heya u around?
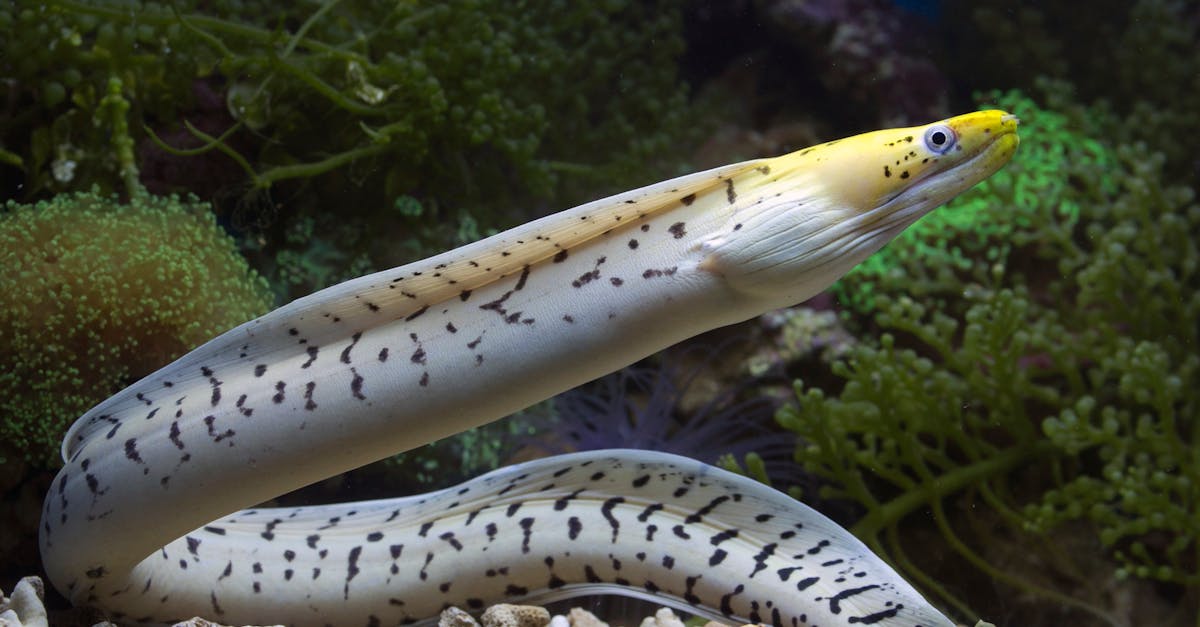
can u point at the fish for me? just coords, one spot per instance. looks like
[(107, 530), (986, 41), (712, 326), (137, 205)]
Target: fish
[(153, 516)]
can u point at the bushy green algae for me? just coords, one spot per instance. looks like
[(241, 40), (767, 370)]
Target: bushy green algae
[(1138, 58), (941, 251), (436, 121), (1034, 374), (60, 70), (95, 294), (416, 80)]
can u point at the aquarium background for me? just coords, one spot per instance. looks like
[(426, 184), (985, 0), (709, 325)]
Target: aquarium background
[(1003, 402)]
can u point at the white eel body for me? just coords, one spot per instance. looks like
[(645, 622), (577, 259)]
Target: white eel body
[(138, 522)]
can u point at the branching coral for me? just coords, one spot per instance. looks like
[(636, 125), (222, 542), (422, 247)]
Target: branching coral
[(96, 294), (1020, 390)]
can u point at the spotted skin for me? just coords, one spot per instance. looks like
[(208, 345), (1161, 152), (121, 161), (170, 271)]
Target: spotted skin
[(594, 522), (389, 361)]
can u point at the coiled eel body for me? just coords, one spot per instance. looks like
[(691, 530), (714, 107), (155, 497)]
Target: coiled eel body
[(359, 371)]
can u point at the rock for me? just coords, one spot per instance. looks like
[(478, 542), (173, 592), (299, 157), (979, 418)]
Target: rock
[(25, 608), (505, 615), (195, 621), (455, 617), (865, 52), (580, 617), (664, 617), (792, 335)]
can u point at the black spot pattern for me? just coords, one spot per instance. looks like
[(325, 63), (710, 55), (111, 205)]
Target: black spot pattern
[(559, 531), (658, 527), (345, 358)]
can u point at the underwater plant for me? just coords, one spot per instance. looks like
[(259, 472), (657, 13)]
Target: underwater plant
[(1032, 376), (943, 251), (436, 121), (61, 117), (1137, 59), (96, 293)]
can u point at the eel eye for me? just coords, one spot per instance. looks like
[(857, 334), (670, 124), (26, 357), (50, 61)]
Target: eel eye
[(940, 139)]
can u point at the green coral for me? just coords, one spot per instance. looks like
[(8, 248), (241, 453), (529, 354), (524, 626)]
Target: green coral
[(96, 294), (1030, 380)]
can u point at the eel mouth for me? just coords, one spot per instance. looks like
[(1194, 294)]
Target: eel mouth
[(1000, 142)]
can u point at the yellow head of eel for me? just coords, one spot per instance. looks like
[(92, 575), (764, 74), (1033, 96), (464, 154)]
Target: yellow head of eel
[(812, 215)]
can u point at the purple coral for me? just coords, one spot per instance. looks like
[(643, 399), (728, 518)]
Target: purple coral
[(640, 407)]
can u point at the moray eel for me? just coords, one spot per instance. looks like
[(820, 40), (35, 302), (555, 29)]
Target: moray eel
[(138, 523)]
